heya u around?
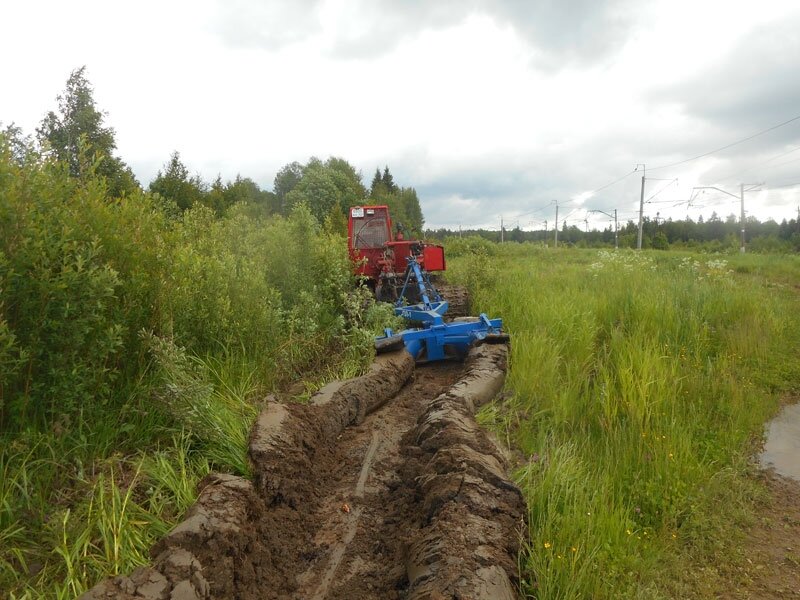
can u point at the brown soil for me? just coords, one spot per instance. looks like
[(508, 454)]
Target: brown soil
[(771, 568), (381, 487), (457, 298)]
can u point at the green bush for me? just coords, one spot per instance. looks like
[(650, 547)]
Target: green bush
[(131, 332), (473, 244)]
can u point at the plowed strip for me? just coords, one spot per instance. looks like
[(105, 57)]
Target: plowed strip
[(388, 507), (360, 553)]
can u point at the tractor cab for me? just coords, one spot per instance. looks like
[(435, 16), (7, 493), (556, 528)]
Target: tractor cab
[(369, 229), (383, 258)]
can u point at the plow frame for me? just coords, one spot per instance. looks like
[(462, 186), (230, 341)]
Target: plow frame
[(435, 339)]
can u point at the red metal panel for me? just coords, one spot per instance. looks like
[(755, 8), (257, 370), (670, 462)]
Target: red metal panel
[(433, 258)]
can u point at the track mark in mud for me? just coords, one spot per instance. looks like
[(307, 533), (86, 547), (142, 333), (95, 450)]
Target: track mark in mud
[(337, 554), (362, 479), (338, 551), (360, 554)]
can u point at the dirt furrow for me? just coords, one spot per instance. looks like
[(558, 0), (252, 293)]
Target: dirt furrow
[(348, 501), (361, 542)]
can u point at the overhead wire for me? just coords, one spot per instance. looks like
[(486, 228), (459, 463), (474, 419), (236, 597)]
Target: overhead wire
[(567, 203), (671, 181), (731, 145), (534, 211), (674, 164), (608, 185), (785, 185), (570, 214), (787, 162), (769, 160)]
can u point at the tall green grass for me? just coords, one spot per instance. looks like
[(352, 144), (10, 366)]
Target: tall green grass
[(640, 384)]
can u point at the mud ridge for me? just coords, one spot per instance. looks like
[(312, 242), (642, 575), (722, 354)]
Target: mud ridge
[(348, 501), (225, 546), (472, 515), (288, 441)]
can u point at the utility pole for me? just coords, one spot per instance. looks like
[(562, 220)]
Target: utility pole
[(556, 244), (459, 230), (586, 221), (741, 220), (616, 228), (751, 187), (641, 207), (501, 230)]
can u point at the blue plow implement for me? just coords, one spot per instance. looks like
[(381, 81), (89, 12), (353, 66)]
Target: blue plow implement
[(434, 339)]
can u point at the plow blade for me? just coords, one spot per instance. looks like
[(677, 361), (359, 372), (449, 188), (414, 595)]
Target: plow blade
[(437, 340)]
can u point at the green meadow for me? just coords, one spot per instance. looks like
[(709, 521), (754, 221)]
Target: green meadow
[(638, 391), (138, 340)]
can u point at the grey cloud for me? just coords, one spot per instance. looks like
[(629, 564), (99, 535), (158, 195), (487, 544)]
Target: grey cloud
[(270, 25), (573, 30), (754, 86), (520, 193), (561, 32)]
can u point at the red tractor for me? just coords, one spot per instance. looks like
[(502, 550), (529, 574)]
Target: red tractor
[(399, 271), (380, 254)]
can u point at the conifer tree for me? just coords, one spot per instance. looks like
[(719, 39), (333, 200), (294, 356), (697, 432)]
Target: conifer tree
[(77, 136), (376, 183), (388, 180)]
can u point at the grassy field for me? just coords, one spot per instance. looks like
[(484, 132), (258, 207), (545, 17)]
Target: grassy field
[(641, 383), (136, 343)]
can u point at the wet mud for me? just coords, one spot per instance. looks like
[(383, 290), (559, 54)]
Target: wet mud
[(381, 487), (782, 447)]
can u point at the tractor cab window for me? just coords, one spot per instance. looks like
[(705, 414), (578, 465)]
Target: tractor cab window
[(371, 231)]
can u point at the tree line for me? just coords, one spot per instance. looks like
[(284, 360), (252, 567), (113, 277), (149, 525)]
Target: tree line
[(76, 135), (712, 234)]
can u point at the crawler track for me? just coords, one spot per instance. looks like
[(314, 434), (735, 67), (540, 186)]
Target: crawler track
[(383, 487)]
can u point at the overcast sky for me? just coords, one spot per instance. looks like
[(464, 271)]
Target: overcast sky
[(487, 108)]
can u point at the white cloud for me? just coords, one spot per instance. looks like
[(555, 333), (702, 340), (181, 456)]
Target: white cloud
[(500, 105)]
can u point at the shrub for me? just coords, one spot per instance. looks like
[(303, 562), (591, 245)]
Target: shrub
[(473, 244)]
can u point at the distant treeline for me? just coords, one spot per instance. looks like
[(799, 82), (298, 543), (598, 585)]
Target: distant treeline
[(714, 234)]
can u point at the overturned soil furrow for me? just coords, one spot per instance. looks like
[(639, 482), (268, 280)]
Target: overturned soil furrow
[(362, 532), (381, 487)]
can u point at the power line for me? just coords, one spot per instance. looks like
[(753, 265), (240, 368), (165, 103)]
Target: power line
[(769, 160), (650, 199), (786, 162), (785, 185), (689, 201), (552, 203), (608, 185), (534, 210), (736, 143)]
